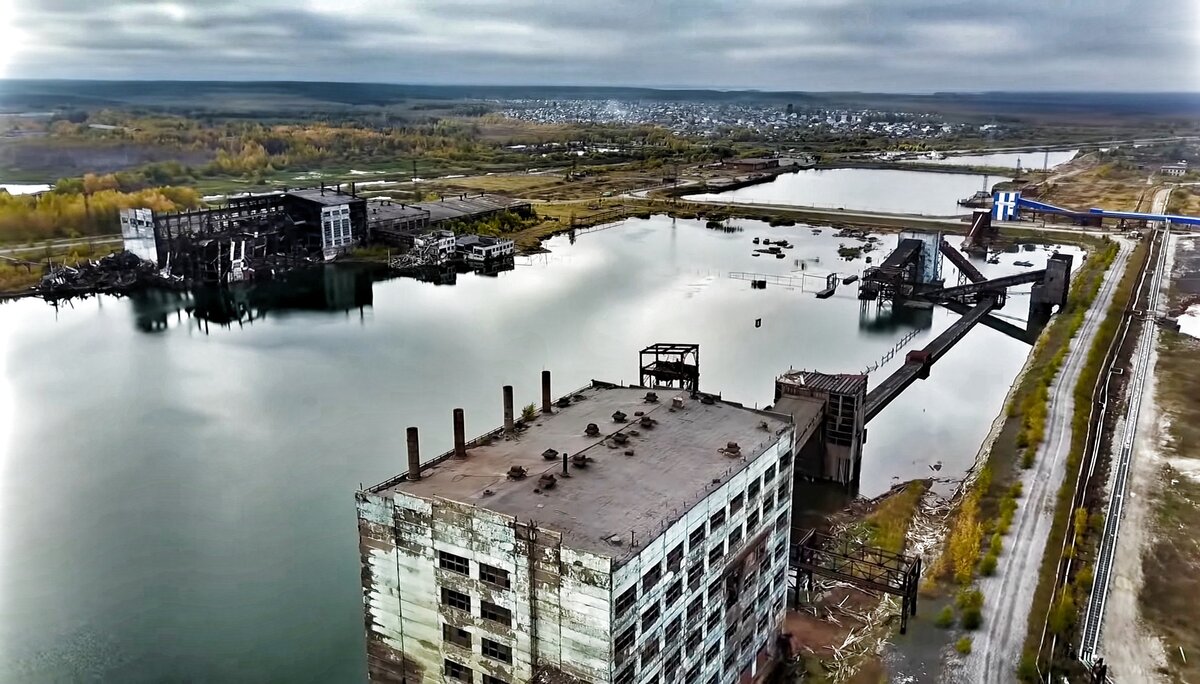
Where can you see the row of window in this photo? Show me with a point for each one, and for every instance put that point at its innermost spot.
(461, 673)
(723, 593)
(629, 598)
(497, 577)
(487, 610)
(489, 647)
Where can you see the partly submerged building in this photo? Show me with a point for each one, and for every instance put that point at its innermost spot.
(622, 536)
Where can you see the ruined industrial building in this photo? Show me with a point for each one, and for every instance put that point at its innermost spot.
(256, 237)
(624, 535)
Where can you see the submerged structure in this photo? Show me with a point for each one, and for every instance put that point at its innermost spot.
(255, 237)
(623, 535)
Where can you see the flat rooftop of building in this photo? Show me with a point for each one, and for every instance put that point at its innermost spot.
(385, 210)
(615, 496)
(328, 196)
(461, 206)
(844, 383)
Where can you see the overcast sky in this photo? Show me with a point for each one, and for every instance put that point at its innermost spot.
(878, 45)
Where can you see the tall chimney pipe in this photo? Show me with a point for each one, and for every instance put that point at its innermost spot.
(565, 473)
(460, 434)
(414, 455)
(508, 408)
(545, 391)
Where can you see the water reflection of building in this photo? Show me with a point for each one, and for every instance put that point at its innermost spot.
(875, 320)
(326, 289)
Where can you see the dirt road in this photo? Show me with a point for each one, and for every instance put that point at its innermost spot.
(1008, 595)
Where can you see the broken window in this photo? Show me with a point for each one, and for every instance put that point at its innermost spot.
(768, 501)
(751, 521)
(769, 474)
(736, 503)
(489, 679)
(695, 609)
(453, 563)
(494, 576)
(695, 574)
(456, 635)
(697, 537)
(497, 651)
(673, 629)
(457, 671)
(735, 537)
(714, 555)
(716, 520)
(783, 490)
(753, 489)
(674, 592)
(675, 558)
(710, 656)
(456, 599)
(650, 616)
(781, 521)
(651, 577)
(626, 600)
(785, 460)
(624, 642)
(649, 651)
(693, 641)
(495, 613)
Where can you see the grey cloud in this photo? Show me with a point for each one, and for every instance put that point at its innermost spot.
(913, 45)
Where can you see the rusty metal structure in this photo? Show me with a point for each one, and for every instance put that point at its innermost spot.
(867, 567)
(674, 366)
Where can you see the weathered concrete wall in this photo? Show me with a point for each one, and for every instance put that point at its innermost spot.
(762, 548)
(559, 598)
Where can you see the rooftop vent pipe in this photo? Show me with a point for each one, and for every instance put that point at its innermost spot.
(460, 434)
(508, 408)
(546, 391)
(414, 455)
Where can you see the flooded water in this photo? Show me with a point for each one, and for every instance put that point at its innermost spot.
(881, 190)
(177, 489)
(1010, 160)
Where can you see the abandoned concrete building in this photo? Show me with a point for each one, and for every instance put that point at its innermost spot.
(625, 535)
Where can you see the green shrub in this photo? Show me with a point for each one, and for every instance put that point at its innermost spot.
(987, 566)
(996, 545)
(945, 618)
(1017, 489)
(963, 645)
(970, 605)
(529, 413)
(1027, 671)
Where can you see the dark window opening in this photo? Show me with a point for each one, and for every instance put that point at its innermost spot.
(675, 558)
(453, 563)
(456, 599)
(495, 613)
(456, 635)
(456, 671)
(497, 651)
(494, 576)
(626, 600)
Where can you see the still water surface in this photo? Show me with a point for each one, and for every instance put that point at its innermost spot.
(882, 190)
(177, 496)
(1012, 160)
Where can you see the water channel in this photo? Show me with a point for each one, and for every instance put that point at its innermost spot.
(177, 481)
(879, 190)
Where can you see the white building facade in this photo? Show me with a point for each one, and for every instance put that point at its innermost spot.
(336, 230)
